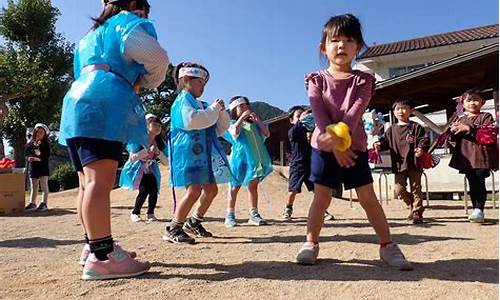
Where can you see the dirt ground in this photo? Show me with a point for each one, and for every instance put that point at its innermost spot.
(453, 259)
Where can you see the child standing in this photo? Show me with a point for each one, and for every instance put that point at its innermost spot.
(472, 156)
(141, 171)
(250, 162)
(100, 113)
(342, 94)
(197, 160)
(37, 152)
(406, 141)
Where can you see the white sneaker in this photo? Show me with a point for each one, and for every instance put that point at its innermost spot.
(151, 218)
(135, 218)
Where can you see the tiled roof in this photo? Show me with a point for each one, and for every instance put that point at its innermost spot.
(437, 40)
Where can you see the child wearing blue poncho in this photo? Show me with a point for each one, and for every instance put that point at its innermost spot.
(250, 162)
(197, 160)
(142, 172)
(101, 112)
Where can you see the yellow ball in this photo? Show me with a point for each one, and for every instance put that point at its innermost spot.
(341, 130)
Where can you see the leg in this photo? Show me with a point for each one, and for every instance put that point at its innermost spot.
(79, 201)
(192, 194)
(291, 199)
(230, 220)
(153, 195)
(321, 201)
(253, 195)
(44, 183)
(477, 189)
(141, 197)
(206, 199)
(34, 189)
(415, 177)
(374, 212)
(400, 187)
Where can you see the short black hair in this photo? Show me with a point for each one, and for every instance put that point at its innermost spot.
(404, 101)
(293, 109)
(470, 92)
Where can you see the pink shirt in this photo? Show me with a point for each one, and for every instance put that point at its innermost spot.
(334, 100)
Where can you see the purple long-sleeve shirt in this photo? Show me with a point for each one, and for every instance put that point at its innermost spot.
(335, 100)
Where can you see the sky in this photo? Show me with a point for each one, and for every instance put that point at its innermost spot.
(263, 48)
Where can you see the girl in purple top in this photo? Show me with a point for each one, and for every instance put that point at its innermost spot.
(340, 94)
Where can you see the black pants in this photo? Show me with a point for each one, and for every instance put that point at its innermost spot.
(147, 187)
(477, 186)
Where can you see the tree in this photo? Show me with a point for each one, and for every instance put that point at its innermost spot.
(35, 66)
(159, 101)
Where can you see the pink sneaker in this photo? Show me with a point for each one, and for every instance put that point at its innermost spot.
(308, 254)
(119, 265)
(86, 252)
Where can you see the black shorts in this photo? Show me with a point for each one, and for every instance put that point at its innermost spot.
(83, 151)
(299, 174)
(326, 171)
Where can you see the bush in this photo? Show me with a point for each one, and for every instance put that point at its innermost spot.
(64, 174)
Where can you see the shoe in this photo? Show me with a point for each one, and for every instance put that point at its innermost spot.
(86, 252)
(308, 254)
(417, 218)
(392, 255)
(30, 207)
(42, 207)
(328, 216)
(196, 228)
(254, 218)
(477, 216)
(230, 221)
(410, 216)
(119, 265)
(177, 236)
(135, 218)
(287, 213)
(151, 218)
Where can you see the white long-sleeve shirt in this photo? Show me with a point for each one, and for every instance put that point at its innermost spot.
(145, 49)
(199, 118)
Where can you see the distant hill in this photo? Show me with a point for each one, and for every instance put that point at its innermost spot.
(265, 111)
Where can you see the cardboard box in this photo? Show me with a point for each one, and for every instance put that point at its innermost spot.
(12, 194)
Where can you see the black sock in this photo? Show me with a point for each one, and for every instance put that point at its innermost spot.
(195, 220)
(290, 206)
(101, 247)
(87, 241)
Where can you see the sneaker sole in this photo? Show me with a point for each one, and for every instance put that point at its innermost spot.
(112, 276)
(195, 233)
(401, 268)
(306, 262)
(230, 225)
(257, 223)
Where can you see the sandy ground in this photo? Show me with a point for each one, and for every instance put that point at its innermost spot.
(453, 258)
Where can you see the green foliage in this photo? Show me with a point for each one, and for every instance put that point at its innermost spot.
(35, 66)
(159, 101)
(65, 175)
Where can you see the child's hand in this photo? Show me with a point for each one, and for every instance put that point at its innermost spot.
(254, 117)
(221, 104)
(457, 128)
(419, 152)
(327, 142)
(245, 115)
(345, 159)
(137, 86)
(377, 146)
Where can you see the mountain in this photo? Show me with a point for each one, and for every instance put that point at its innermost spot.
(265, 111)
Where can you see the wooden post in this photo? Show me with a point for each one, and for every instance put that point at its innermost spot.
(495, 101)
(282, 153)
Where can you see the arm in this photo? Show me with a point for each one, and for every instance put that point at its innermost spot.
(366, 87)
(145, 49)
(263, 128)
(199, 118)
(314, 85)
(222, 123)
(422, 139)
(234, 129)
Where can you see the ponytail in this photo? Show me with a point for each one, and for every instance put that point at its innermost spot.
(114, 7)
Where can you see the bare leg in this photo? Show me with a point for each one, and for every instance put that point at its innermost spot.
(374, 212)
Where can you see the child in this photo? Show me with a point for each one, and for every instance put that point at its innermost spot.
(300, 157)
(197, 160)
(250, 162)
(141, 171)
(470, 156)
(37, 152)
(342, 94)
(101, 112)
(407, 141)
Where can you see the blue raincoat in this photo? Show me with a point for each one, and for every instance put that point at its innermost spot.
(132, 172)
(103, 104)
(196, 156)
(249, 156)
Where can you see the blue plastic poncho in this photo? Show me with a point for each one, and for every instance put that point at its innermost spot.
(249, 156)
(196, 156)
(103, 104)
(132, 172)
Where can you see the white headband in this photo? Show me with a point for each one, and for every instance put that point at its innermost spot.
(193, 72)
(151, 116)
(44, 127)
(236, 102)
